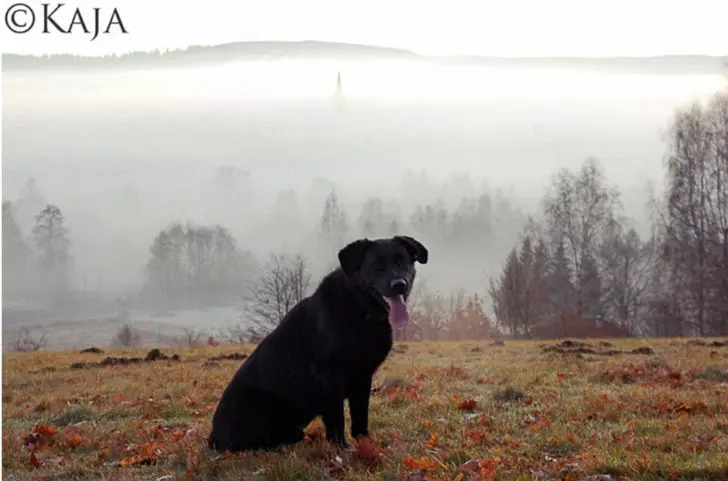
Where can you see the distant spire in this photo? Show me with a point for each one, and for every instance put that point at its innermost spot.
(339, 94)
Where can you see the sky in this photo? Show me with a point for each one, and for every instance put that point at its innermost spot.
(444, 27)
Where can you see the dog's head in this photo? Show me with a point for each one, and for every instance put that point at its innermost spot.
(386, 268)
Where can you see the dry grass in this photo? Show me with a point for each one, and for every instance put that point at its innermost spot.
(454, 411)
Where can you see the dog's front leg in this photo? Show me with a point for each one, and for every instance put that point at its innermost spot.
(332, 386)
(334, 420)
(359, 392)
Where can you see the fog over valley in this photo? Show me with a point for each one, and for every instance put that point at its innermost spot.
(456, 153)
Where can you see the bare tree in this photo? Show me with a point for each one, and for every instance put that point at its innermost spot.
(696, 217)
(237, 333)
(284, 282)
(429, 314)
(627, 263)
(28, 342)
(579, 208)
(191, 337)
(470, 321)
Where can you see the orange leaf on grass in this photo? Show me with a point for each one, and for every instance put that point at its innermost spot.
(487, 470)
(422, 464)
(75, 440)
(432, 442)
(477, 436)
(45, 430)
(542, 423)
(135, 461)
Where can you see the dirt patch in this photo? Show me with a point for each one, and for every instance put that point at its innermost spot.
(157, 355)
(701, 343)
(577, 348)
(214, 361)
(498, 343)
(153, 355)
(236, 356)
(92, 350)
(645, 350)
(660, 373)
(509, 395)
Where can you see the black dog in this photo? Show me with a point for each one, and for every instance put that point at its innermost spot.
(325, 350)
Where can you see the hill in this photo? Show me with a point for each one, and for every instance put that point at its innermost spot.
(254, 51)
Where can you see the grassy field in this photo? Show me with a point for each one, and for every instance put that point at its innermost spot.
(441, 411)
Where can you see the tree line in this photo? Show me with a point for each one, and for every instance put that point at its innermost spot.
(579, 267)
(582, 267)
(195, 265)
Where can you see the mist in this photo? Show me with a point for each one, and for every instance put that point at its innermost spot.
(259, 146)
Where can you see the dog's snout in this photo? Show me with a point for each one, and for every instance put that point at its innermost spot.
(398, 285)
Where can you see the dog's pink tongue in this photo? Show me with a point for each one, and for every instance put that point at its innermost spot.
(398, 315)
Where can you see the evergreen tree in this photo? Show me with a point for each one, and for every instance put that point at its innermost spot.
(53, 243)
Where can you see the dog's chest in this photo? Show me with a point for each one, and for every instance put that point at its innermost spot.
(367, 350)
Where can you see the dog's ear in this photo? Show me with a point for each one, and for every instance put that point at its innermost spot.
(352, 256)
(414, 247)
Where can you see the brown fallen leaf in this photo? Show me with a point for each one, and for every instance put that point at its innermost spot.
(33, 461)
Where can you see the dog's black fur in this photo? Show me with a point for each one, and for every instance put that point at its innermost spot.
(325, 350)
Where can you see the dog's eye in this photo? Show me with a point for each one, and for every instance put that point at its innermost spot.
(379, 265)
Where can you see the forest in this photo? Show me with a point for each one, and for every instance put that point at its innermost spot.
(576, 266)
